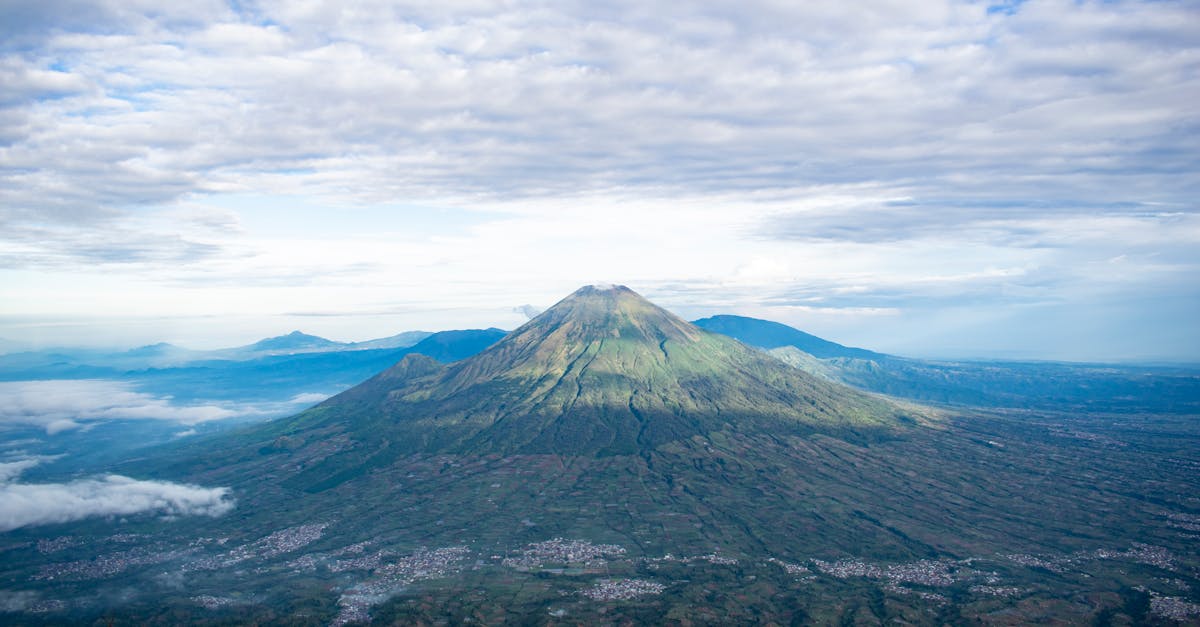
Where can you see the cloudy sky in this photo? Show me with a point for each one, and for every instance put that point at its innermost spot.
(1013, 179)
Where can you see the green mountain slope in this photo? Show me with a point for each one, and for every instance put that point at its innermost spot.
(602, 372)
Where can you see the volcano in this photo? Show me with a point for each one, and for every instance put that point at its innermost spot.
(602, 372)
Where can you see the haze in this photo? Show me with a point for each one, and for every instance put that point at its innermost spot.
(956, 179)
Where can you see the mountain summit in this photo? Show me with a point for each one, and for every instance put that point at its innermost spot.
(296, 340)
(602, 372)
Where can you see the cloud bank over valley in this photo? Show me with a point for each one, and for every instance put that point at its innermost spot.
(61, 405)
(28, 504)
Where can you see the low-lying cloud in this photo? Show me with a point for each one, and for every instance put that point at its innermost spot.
(26, 504)
(12, 470)
(529, 311)
(60, 405)
(307, 398)
(29, 504)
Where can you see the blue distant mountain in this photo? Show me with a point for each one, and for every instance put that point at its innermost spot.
(70, 362)
(400, 340)
(1028, 385)
(161, 348)
(293, 341)
(300, 342)
(768, 335)
(447, 346)
(281, 376)
(271, 369)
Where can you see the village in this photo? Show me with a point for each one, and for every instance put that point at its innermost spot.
(389, 572)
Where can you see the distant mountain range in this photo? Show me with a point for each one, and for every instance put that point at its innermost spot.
(299, 342)
(1025, 385)
(768, 335)
(85, 362)
(295, 363)
(164, 354)
(283, 375)
(270, 371)
(301, 363)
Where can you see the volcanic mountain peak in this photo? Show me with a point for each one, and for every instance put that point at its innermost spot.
(604, 371)
(598, 329)
(616, 312)
(293, 340)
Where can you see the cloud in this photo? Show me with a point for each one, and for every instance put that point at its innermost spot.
(59, 405)
(307, 398)
(29, 504)
(12, 470)
(527, 100)
(23, 505)
(1023, 223)
(17, 600)
(529, 311)
(102, 240)
(753, 154)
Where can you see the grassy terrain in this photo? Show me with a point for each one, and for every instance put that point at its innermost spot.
(1018, 518)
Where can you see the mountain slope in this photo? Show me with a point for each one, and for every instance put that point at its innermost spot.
(767, 334)
(602, 372)
(447, 346)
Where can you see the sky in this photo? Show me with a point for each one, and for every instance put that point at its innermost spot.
(933, 179)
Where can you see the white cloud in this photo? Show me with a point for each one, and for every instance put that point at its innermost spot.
(527, 310)
(28, 504)
(527, 100)
(700, 149)
(308, 398)
(59, 405)
(23, 505)
(12, 470)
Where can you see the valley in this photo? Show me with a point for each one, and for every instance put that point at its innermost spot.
(1016, 522)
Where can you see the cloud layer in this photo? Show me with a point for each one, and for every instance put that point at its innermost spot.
(28, 504)
(375, 101)
(256, 158)
(58, 405)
